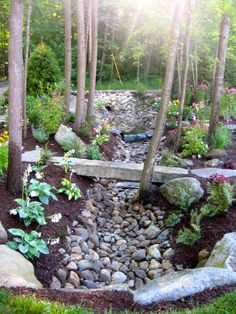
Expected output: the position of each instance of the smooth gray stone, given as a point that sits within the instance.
(177, 285)
(207, 172)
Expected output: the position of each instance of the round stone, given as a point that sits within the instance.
(119, 277)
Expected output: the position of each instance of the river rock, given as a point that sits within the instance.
(139, 255)
(16, 270)
(151, 232)
(177, 285)
(74, 279)
(182, 191)
(55, 283)
(119, 277)
(154, 252)
(224, 253)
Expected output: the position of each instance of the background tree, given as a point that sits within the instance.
(219, 75)
(147, 173)
(67, 14)
(24, 109)
(15, 61)
(93, 61)
(81, 67)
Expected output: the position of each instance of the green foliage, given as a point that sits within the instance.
(194, 143)
(222, 137)
(28, 244)
(44, 155)
(85, 130)
(29, 211)
(70, 117)
(76, 147)
(188, 95)
(94, 152)
(187, 113)
(141, 89)
(70, 189)
(43, 70)
(100, 139)
(40, 135)
(66, 163)
(189, 236)
(228, 104)
(169, 159)
(174, 218)
(3, 158)
(46, 112)
(201, 93)
(202, 110)
(99, 105)
(106, 128)
(42, 190)
(173, 108)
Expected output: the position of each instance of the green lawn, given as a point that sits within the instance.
(30, 305)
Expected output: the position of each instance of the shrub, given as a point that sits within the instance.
(227, 103)
(28, 244)
(85, 130)
(94, 152)
(194, 143)
(40, 135)
(43, 70)
(3, 158)
(222, 137)
(100, 139)
(75, 146)
(29, 212)
(201, 110)
(45, 112)
(70, 189)
(169, 159)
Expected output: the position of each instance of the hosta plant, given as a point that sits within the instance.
(42, 190)
(29, 244)
(29, 211)
(66, 162)
(70, 189)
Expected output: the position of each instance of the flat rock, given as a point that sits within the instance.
(207, 172)
(16, 270)
(185, 189)
(177, 285)
(224, 253)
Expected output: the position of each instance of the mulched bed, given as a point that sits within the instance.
(212, 230)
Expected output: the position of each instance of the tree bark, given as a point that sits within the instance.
(24, 105)
(81, 65)
(185, 74)
(103, 51)
(147, 173)
(88, 30)
(93, 62)
(67, 20)
(15, 61)
(219, 75)
(179, 59)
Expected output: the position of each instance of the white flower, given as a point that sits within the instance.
(54, 241)
(38, 175)
(55, 217)
(13, 212)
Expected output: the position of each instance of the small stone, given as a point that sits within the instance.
(61, 251)
(138, 283)
(151, 232)
(143, 265)
(82, 232)
(146, 223)
(74, 279)
(84, 247)
(55, 284)
(94, 239)
(166, 265)
(94, 256)
(154, 252)
(155, 273)
(76, 250)
(154, 265)
(84, 265)
(62, 274)
(119, 277)
(203, 254)
(139, 255)
(140, 273)
(90, 284)
(69, 286)
(131, 283)
(163, 236)
(86, 275)
(72, 266)
(105, 275)
(168, 253)
(86, 214)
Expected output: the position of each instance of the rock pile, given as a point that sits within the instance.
(114, 242)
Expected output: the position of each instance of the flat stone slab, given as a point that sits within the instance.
(177, 285)
(207, 172)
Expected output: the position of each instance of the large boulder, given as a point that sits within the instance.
(177, 285)
(182, 191)
(216, 153)
(224, 253)
(3, 234)
(65, 134)
(16, 270)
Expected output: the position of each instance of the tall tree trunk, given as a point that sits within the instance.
(180, 66)
(148, 65)
(93, 63)
(81, 67)
(67, 20)
(15, 61)
(112, 40)
(219, 75)
(147, 173)
(24, 106)
(103, 51)
(185, 74)
(88, 21)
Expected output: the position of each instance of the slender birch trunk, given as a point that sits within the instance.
(15, 61)
(68, 62)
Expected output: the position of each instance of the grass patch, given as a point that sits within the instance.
(31, 305)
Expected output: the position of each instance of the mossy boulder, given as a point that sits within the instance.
(182, 192)
(224, 253)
